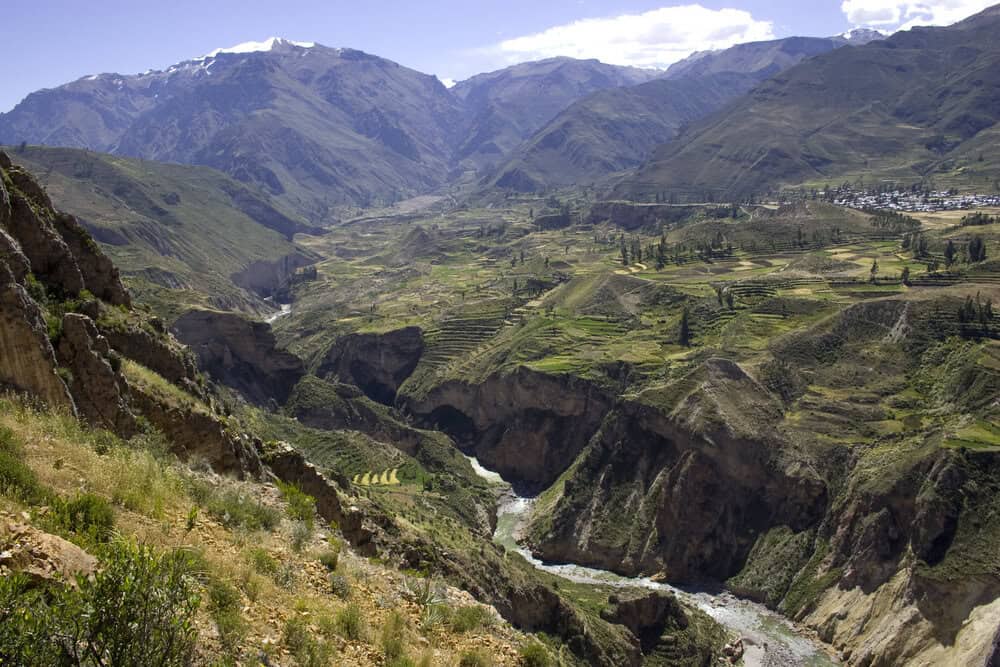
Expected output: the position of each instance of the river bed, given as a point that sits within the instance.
(770, 640)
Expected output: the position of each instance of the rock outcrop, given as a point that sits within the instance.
(377, 363)
(99, 390)
(27, 360)
(697, 462)
(47, 261)
(526, 425)
(240, 354)
(646, 615)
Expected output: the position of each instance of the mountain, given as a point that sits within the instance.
(314, 127)
(912, 107)
(183, 236)
(507, 106)
(765, 58)
(615, 130)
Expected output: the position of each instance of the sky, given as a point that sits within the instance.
(51, 42)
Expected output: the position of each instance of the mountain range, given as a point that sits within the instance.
(324, 131)
(921, 105)
(321, 129)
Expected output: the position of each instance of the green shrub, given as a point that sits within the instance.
(467, 619)
(339, 586)
(262, 562)
(535, 654)
(87, 514)
(301, 534)
(305, 649)
(350, 624)
(393, 636)
(137, 610)
(475, 658)
(301, 506)
(231, 508)
(331, 557)
(224, 604)
(17, 480)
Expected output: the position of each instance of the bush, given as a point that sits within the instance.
(262, 562)
(350, 623)
(475, 658)
(224, 604)
(137, 610)
(393, 635)
(17, 480)
(233, 509)
(339, 586)
(305, 649)
(301, 533)
(88, 515)
(301, 506)
(467, 619)
(331, 557)
(535, 655)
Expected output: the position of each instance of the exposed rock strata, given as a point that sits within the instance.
(526, 425)
(377, 363)
(240, 354)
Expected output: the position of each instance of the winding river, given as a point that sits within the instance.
(770, 639)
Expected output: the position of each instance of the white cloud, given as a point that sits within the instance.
(905, 14)
(655, 38)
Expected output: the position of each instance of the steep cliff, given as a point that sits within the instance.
(240, 354)
(59, 295)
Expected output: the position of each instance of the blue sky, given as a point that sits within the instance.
(49, 42)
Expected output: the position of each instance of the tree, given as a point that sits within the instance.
(949, 254)
(624, 253)
(904, 277)
(730, 299)
(874, 271)
(684, 335)
(977, 250)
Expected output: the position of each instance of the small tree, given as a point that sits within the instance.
(949, 254)
(874, 270)
(684, 335)
(904, 277)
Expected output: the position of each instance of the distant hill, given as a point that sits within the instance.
(314, 127)
(507, 106)
(614, 130)
(181, 235)
(922, 104)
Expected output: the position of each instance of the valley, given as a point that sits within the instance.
(307, 359)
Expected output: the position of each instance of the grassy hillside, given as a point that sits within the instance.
(180, 235)
(916, 107)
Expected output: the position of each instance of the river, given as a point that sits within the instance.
(770, 639)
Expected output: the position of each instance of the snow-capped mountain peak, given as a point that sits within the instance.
(250, 47)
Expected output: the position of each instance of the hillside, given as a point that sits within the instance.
(614, 130)
(507, 106)
(912, 108)
(617, 130)
(316, 128)
(181, 235)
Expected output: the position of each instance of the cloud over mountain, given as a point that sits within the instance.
(904, 14)
(655, 38)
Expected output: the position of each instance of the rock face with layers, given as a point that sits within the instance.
(61, 357)
(377, 363)
(526, 425)
(100, 391)
(240, 354)
(698, 463)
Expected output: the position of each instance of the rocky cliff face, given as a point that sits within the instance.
(240, 354)
(56, 285)
(528, 426)
(698, 465)
(377, 363)
(631, 216)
